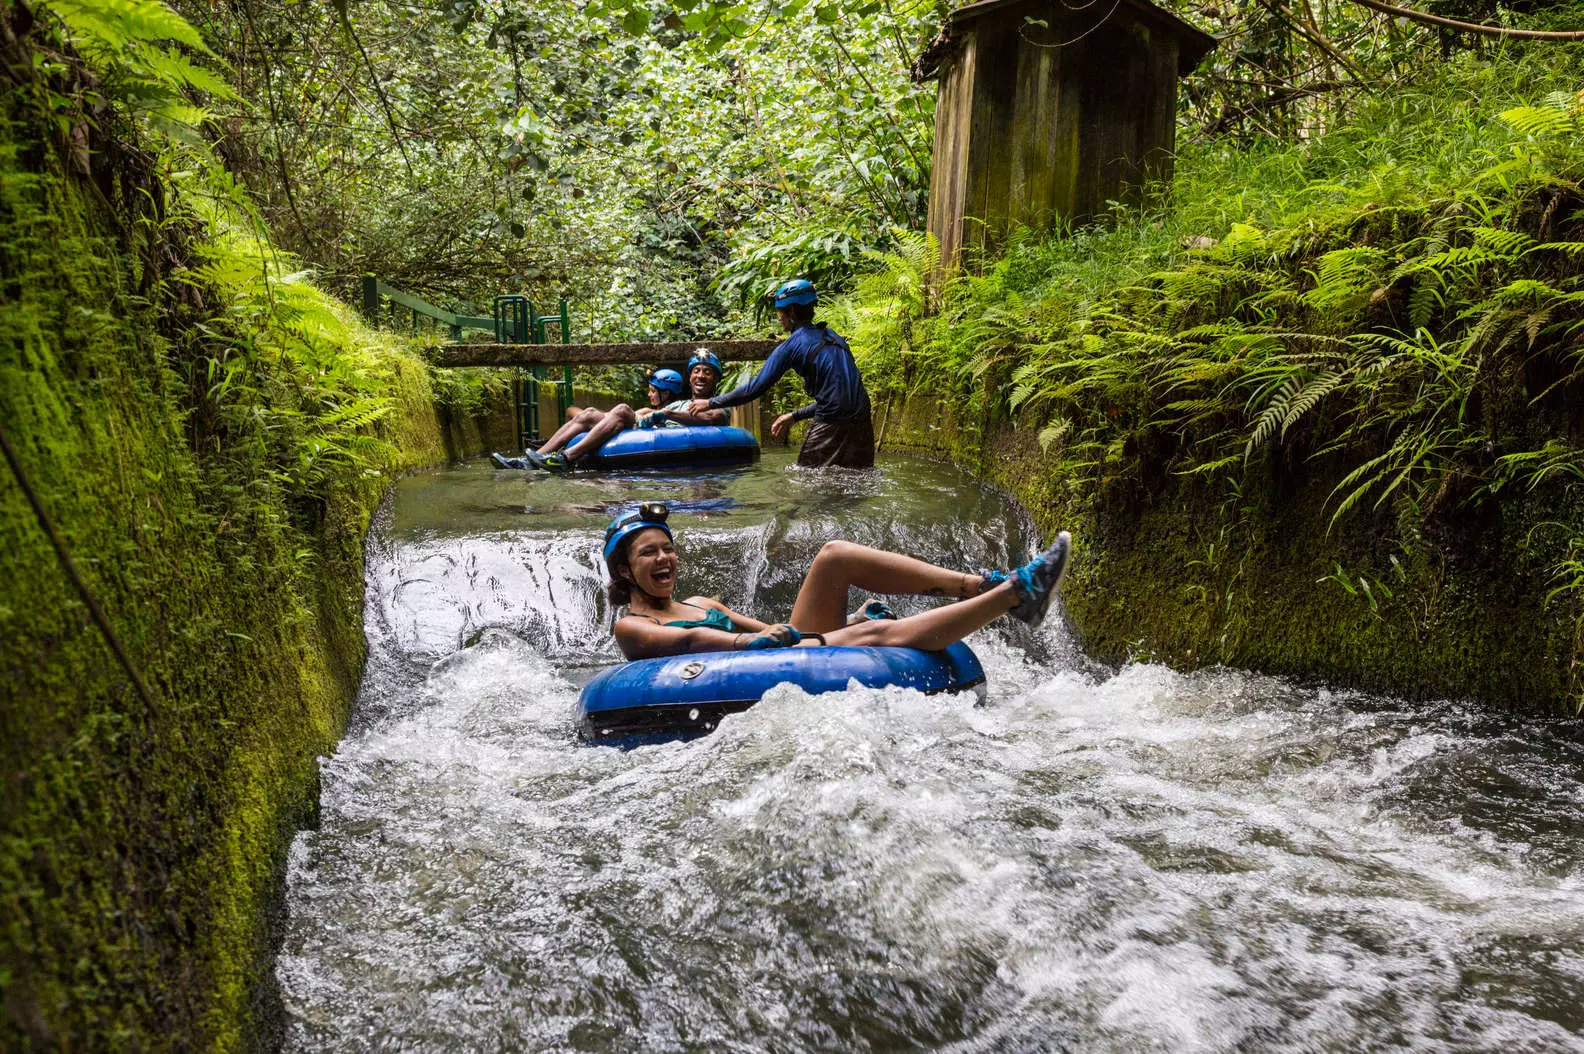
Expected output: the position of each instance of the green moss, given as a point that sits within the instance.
(142, 847)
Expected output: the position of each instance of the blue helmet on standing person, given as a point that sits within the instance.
(667, 381)
(797, 291)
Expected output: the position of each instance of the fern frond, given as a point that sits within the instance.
(1572, 250)
(1055, 431)
(119, 23)
(178, 71)
(1501, 241)
(1540, 121)
(1271, 417)
(1309, 397)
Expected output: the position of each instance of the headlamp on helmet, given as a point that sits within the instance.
(649, 514)
(705, 357)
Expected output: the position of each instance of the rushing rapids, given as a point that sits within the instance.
(1095, 860)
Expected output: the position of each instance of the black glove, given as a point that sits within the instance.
(777, 636)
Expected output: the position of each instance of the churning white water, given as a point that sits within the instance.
(1096, 860)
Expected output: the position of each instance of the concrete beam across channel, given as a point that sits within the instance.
(657, 353)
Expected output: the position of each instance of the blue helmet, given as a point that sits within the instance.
(667, 381)
(705, 357)
(649, 514)
(797, 291)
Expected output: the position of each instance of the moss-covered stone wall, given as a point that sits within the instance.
(142, 838)
(1452, 603)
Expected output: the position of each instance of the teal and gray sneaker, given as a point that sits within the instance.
(1036, 581)
(534, 459)
(501, 461)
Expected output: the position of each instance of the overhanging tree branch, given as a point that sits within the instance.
(390, 116)
(1471, 27)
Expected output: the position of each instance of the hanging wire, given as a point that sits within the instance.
(1080, 36)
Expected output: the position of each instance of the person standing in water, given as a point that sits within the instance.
(842, 433)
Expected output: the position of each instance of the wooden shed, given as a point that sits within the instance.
(1047, 109)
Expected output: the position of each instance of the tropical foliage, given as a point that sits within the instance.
(619, 157)
(1396, 307)
(663, 162)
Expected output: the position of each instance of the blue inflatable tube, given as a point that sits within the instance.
(658, 447)
(685, 696)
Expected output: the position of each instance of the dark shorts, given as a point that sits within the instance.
(844, 444)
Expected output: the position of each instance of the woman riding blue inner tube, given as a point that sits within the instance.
(641, 556)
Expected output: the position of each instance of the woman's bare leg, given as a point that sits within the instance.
(822, 599)
(932, 630)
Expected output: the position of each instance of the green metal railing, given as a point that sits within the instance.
(516, 322)
(375, 291)
(513, 320)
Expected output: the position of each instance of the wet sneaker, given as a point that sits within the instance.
(1036, 581)
(534, 459)
(507, 462)
(556, 462)
(871, 610)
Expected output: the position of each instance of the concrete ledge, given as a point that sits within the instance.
(459, 355)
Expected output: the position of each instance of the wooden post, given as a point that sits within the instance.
(1031, 132)
(748, 418)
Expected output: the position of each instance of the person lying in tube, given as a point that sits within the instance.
(643, 562)
(591, 429)
(587, 420)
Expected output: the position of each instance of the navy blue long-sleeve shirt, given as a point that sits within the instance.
(822, 358)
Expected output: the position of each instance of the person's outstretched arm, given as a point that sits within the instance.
(777, 364)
